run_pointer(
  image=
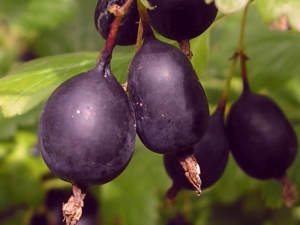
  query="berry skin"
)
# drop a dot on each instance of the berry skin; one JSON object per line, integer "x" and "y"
{"x": 127, "y": 31}
{"x": 169, "y": 102}
{"x": 211, "y": 153}
{"x": 86, "y": 131}
{"x": 262, "y": 140}
{"x": 180, "y": 19}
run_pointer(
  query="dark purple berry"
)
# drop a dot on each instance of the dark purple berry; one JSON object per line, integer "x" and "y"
{"x": 181, "y": 19}
{"x": 87, "y": 128}
{"x": 127, "y": 31}
{"x": 211, "y": 153}
{"x": 170, "y": 105}
{"x": 262, "y": 140}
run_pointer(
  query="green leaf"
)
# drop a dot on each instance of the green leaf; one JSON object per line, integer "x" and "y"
{"x": 31, "y": 83}
{"x": 272, "y": 54}
{"x": 120, "y": 63}
{"x": 280, "y": 14}
{"x": 278, "y": 66}
{"x": 229, "y": 6}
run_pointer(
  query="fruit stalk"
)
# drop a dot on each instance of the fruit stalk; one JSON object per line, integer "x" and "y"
{"x": 239, "y": 53}
{"x": 191, "y": 168}
{"x": 72, "y": 210}
{"x": 223, "y": 100}
{"x": 289, "y": 191}
{"x": 171, "y": 194}
{"x": 139, "y": 37}
{"x": 185, "y": 47}
{"x": 147, "y": 30}
{"x": 243, "y": 59}
{"x": 241, "y": 50}
{"x": 119, "y": 12}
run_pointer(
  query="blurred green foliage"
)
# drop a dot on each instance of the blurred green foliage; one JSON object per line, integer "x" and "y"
{"x": 61, "y": 35}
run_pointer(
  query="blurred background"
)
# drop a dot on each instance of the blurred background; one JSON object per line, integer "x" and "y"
{"x": 44, "y": 42}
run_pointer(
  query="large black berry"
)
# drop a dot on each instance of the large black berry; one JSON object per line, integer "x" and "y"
{"x": 181, "y": 19}
{"x": 87, "y": 128}
{"x": 127, "y": 31}
{"x": 211, "y": 153}
{"x": 262, "y": 140}
{"x": 169, "y": 102}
